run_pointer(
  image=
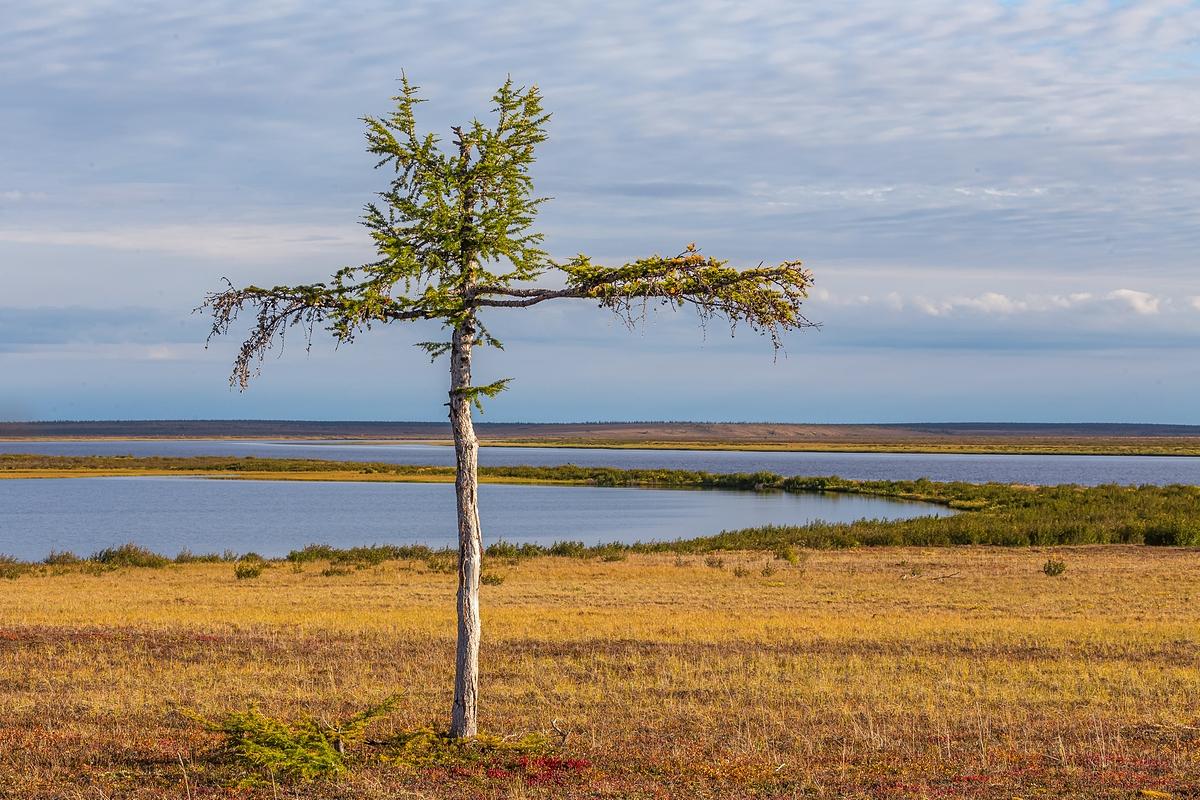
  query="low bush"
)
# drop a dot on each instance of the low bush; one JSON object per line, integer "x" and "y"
{"x": 503, "y": 549}
{"x": 247, "y": 570}
{"x": 569, "y": 549}
{"x": 11, "y": 568}
{"x": 130, "y": 555}
{"x": 1054, "y": 568}
{"x": 789, "y": 553}
{"x": 188, "y": 557}
{"x": 306, "y": 750}
{"x": 62, "y": 558}
{"x": 443, "y": 562}
{"x": 370, "y": 555}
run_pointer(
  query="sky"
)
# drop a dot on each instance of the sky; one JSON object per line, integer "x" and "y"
{"x": 999, "y": 201}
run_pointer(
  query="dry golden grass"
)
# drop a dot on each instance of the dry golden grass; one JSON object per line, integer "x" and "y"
{"x": 876, "y": 673}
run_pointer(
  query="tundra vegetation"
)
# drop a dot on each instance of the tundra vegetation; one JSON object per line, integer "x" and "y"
{"x": 818, "y": 660}
{"x": 453, "y": 231}
{"x": 886, "y": 672}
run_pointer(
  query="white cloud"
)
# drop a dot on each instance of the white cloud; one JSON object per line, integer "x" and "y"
{"x": 1140, "y": 302}
{"x": 1001, "y": 304}
{"x": 238, "y": 242}
{"x": 17, "y": 195}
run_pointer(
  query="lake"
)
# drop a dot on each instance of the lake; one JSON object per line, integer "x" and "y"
{"x": 1045, "y": 470}
{"x": 272, "y": 517}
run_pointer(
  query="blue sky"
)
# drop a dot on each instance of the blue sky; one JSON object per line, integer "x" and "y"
{"x": 999, "y": 202}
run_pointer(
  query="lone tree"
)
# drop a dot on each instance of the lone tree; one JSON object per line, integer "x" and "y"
{"x": 453, "y": 231}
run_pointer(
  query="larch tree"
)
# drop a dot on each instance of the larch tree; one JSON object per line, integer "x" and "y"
{"x": 454, "y": 236}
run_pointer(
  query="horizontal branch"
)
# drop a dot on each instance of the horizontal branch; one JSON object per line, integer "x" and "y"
{"x": 280, "y": 308}
{"x": 768, "y": 299}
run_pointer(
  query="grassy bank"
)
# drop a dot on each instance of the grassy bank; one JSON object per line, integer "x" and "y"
{"x": 880, "y": 673}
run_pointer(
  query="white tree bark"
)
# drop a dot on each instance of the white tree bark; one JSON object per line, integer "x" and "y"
{"x": 470, "y": 542}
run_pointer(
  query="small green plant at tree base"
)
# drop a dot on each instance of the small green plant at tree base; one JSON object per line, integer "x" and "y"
{"x": 491, "y": 579}
{"x": 306, "y": 750}
{"x": 1054, "y": 568}
{"x": 246, "y": 570}
{"x": 716, "y": 562}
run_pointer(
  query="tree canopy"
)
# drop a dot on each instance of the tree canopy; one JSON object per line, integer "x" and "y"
{"x": 454, "y": 234}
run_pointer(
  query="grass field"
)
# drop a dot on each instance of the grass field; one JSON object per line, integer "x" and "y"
{"x": 881, "y": 672}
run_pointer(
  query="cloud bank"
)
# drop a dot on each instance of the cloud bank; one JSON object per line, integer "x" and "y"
{"x": 987, "y": 178}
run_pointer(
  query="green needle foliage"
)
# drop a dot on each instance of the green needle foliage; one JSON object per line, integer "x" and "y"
{"x": 301, "y": 751}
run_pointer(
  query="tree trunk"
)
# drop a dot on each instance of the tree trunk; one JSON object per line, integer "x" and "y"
{"x": 470, "y": 542}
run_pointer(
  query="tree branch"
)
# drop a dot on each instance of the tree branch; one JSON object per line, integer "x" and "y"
{"x": 768, "y": 299}
{"x": 282, "y": 307}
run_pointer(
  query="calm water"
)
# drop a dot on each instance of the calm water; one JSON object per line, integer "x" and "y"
{"x": 273, "y": 517}
{"x": 1087, "y": 470}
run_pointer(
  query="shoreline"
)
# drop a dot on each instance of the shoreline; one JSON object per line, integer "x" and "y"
{"x": 1103, "y": 448}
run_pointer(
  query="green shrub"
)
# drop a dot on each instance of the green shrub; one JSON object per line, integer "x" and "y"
{"x": 569, "y": 549}
{"x": 442, "y": 562}
{"x": 186, "y": 556}
{"x": 130, "y": 555}
{"x": 302, "y": 751}
{"x": 740, "y": 571}
{"x": 367, "y": 556}
{"x": 11, "y": 568}
{"x": 246, "y": 570}
{"x": 491, "y": 579}
{"x": 1054, "y": 568}
{"x": 716, "y": 562}
{"x": 788, "y": 552}
{"x": 62, "y": 558}
{"x": 1174, "y": 532}
{"x": 503, "y": 549}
